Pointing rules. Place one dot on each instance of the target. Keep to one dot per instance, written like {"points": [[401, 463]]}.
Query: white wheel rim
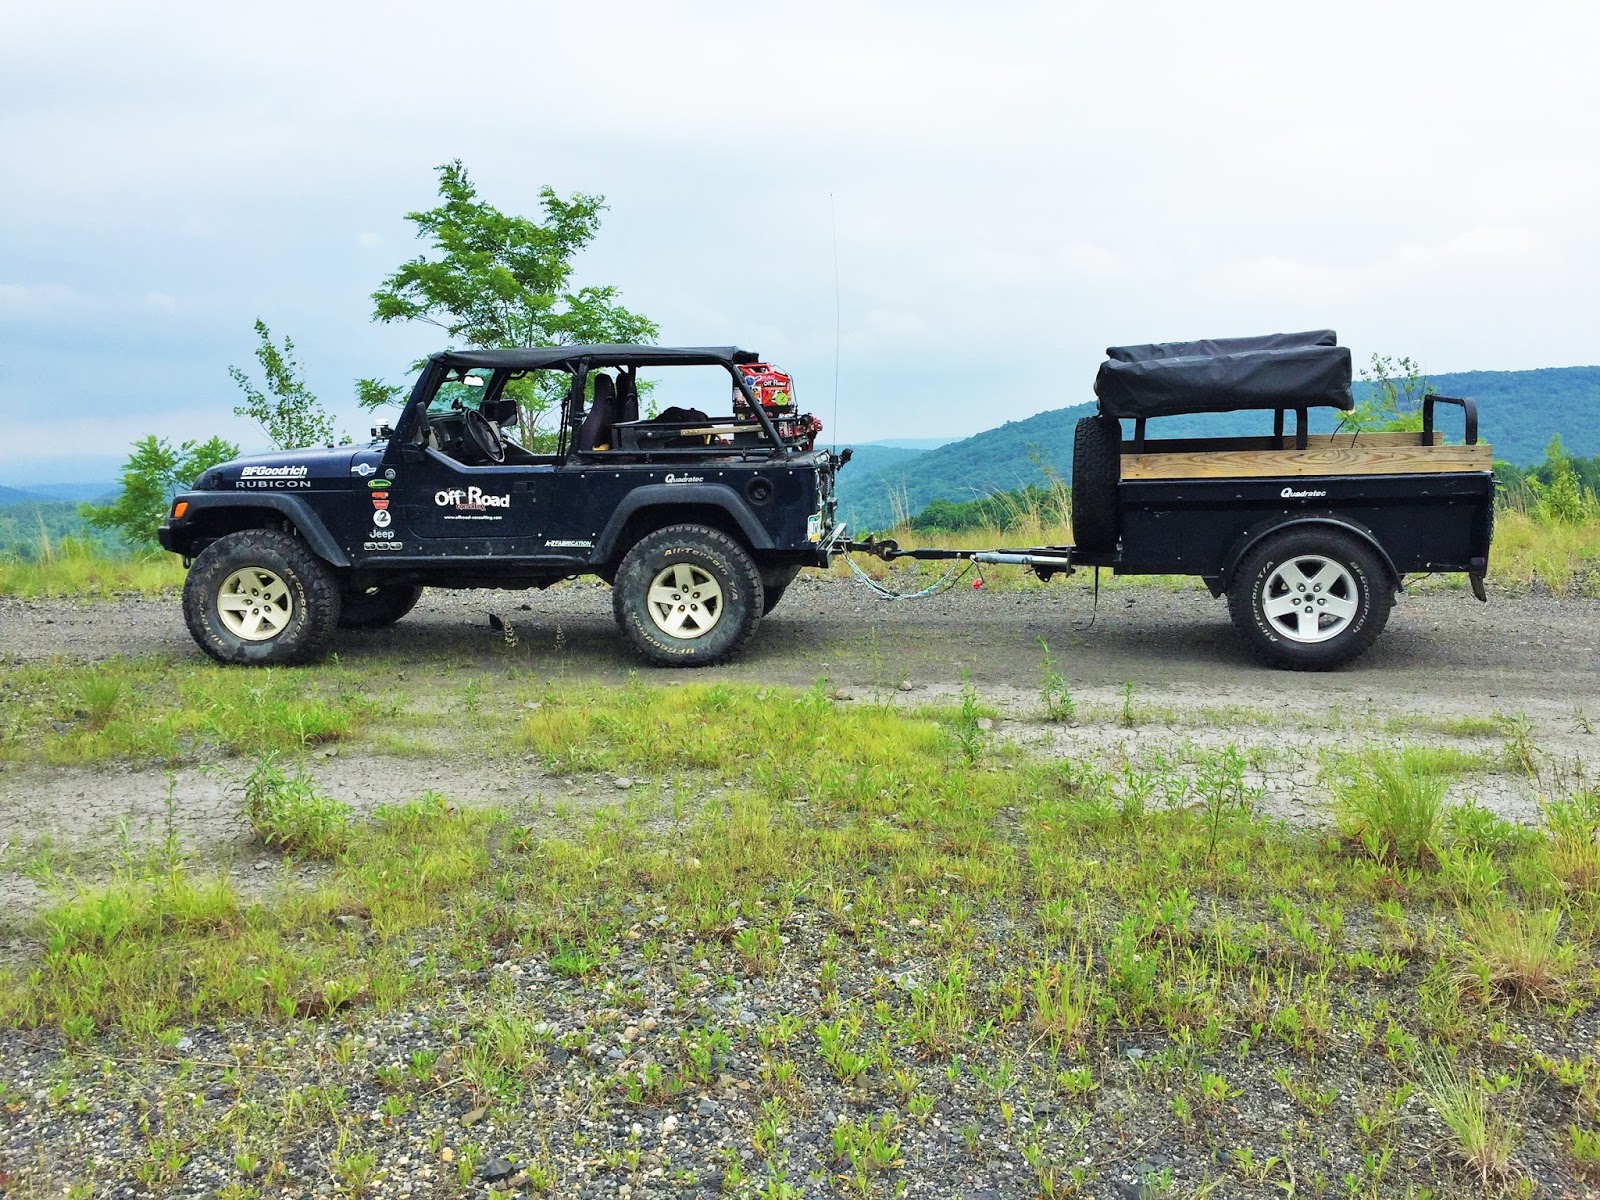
{"points": [[1310, 598], [685, 601], [254, 604]]}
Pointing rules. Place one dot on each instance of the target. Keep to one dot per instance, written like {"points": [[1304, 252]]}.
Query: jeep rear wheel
{"points": [[377, 606], [261, 597], [687, 596], [1311, 599], [774, 583]]}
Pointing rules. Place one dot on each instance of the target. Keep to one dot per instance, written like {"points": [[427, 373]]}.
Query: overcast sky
{"points": [[1016, 186]]}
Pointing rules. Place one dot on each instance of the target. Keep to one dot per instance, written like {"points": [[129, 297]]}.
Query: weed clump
{"points": [[1394, 810], [1484, 1135], [1573, 828], [1517, 956], [288, 813]]}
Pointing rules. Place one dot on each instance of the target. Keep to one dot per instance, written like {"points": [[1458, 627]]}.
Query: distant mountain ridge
{"points": [[1518, 412], [55, 493]]}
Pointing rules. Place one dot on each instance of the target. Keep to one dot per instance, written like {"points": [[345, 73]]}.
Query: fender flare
{"points": [[1253, 536], [676, 495], [293, 509]]}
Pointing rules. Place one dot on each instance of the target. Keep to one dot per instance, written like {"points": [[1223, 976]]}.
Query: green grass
{"points": [[80, 572], [1563, 557], [894, 809], [153, 709], [976, 921]]}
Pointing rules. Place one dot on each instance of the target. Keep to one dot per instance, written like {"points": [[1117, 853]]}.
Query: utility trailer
{"points": [[1308, 535]]}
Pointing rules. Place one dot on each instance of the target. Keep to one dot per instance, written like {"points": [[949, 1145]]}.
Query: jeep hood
{"points": [[282, 465]]}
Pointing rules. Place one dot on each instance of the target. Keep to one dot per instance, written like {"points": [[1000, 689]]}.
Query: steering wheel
{"points": [[484, 437]]}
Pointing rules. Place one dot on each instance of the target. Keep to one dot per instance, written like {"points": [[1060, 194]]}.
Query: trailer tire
{"points": [[1311, 599], [261, 598], [1096, 467], [687, 596]]}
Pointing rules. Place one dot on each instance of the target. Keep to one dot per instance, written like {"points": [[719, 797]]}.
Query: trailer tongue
{"points": [[1043, 560]]}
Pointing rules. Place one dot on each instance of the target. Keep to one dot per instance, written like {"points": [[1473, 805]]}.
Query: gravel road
{"points": [[1442, 651]]}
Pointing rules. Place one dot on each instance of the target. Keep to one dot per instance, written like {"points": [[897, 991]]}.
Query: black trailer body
{"points": [[1417, 523]]}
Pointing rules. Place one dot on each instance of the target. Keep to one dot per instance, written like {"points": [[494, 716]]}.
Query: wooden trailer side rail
{"points": [[1324, 454]]}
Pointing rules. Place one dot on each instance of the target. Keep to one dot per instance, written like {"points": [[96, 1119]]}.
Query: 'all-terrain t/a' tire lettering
{"points": [[687, 596], [260, 597], [1311, 599]]}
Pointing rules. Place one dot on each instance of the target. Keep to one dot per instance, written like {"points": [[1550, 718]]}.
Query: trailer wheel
{"points": [[1096, 467], [1311, 599], [687, 596], [261, 598]]}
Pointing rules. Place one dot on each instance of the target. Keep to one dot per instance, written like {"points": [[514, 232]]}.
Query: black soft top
{"points": [[1273, 371], [534, 358]]}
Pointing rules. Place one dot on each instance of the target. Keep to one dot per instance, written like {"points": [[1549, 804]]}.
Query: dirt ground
{"points": [[1157, 675], [1441, 648]]}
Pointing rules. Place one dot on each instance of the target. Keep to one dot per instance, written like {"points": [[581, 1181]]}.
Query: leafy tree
{"points": [[495, 280], [291, 416], [1559, 496], [1398, 390], [153, 474]]}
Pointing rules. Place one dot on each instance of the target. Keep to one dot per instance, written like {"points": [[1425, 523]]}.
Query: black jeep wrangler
{"points": [[699, 523]]}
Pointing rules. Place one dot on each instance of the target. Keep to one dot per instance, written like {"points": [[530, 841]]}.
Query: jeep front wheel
{"points": [[261, 598], [687, 596]]}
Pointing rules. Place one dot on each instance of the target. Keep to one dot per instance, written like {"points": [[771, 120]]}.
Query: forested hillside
{"points": [[1519, 411], [33, 531]]}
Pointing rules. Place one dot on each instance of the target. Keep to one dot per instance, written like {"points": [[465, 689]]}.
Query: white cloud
{"points": [[22, 299], [1068, 176]]}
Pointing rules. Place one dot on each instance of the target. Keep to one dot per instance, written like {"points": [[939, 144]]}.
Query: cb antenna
{"points": [[834, 218]]}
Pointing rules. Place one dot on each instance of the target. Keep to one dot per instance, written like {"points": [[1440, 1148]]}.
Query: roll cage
{"points": [[754, 435]]}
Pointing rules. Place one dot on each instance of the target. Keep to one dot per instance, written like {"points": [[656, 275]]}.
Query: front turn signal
{"points": [[178, 509]]}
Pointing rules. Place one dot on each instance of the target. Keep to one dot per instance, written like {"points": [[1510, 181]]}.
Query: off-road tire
{"points": [[706, 550], [1096, 467], [774, 584], [1364, 573], [377, 606], [312, 589]]}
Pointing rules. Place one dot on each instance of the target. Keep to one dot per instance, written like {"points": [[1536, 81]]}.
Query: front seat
{"points": [[595, 432], [627, 397]]}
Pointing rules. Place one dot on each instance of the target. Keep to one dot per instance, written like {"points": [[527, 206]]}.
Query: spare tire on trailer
{"points": [[1096, 467]]}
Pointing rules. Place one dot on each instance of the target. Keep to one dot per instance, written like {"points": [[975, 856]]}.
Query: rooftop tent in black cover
{"points": [[1278, 371], [1214, 346]]}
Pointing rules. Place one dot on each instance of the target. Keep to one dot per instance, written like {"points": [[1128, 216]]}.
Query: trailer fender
{"points": [[1276, 524], [671, 496], [229, 506]]}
